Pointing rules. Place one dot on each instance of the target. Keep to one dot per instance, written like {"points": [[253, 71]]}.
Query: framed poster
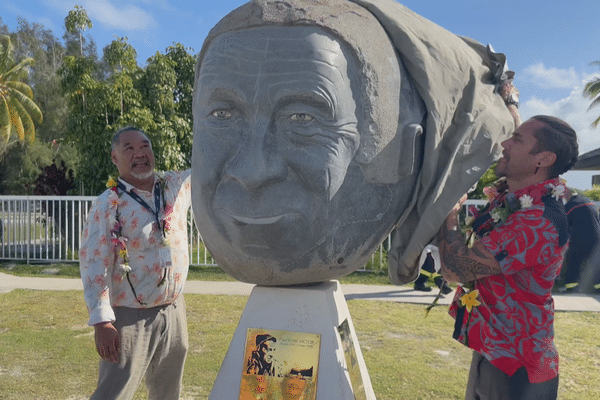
{"points": [[280, 365]]}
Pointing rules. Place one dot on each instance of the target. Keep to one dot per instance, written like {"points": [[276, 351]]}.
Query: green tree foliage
{"points": [[593, 193], [20, 167], [55, 180], [96, 106], [58, 180], [592, 90], [17, 108], [77, 75], [3, 28], [48, 53], [183, 93], [167, 86], [487, 179], [120, 55], [85, 99], [76, 23], [156, 99]]}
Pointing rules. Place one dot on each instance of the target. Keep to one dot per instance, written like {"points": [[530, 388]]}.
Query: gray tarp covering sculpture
{"points": [[321, 125]]}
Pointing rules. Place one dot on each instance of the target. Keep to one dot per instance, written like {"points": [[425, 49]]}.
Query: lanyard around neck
{"points": [[142, 202]]}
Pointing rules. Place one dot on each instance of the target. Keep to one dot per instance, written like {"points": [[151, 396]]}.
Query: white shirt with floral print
{"points": [[104, 272]]}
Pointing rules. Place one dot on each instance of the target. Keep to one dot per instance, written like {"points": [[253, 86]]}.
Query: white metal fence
{"points": [[42, 229], [47, 229]]}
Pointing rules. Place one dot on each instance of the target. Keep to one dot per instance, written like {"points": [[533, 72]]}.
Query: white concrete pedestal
{"points": [[313, 309]]}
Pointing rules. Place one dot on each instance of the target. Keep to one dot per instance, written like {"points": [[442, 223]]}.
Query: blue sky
{"points": [[549, 43]]}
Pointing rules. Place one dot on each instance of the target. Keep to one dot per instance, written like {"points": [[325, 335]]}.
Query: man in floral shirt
{"points": [[134, 263], [504, 309]]}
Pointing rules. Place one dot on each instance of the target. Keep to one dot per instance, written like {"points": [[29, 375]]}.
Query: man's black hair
{"points": [[556, 136], [130, 128]]}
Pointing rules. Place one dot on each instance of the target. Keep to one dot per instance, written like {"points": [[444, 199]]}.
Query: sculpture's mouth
{"points": [[257, 220], [243, 220], [272, 236]]}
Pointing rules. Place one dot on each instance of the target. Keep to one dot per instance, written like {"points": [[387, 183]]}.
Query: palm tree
{"points": [[17, 108], [592, 90]]}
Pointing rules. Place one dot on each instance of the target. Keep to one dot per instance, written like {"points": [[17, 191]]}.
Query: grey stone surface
{"points": [[304, 155], [320, 125]]}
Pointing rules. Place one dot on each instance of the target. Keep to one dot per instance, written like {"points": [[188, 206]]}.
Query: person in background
{"points": [[428, 271], [134, 263], [577, 274], [504, 309]]}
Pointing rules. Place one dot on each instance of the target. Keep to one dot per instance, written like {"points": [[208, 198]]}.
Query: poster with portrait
{"points": [[280, 365], [352, 361]]}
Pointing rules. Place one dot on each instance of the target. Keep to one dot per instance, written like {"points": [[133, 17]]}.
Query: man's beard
{"points": [[142, 176]]}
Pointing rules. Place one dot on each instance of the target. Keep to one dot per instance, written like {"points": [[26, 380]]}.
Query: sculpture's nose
{"points": [[257, 162]]}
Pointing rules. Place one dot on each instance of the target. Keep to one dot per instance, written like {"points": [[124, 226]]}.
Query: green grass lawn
{"points": [[47, 351]]}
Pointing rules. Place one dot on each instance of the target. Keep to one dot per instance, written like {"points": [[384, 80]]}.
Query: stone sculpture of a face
{"points": [[283, 193]]}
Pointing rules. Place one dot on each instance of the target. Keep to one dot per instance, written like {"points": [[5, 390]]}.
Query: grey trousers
{"points": [[154, 343], [486, 382]]}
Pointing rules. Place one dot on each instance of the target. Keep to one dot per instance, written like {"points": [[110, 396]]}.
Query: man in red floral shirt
{"points": [[504, 309]]}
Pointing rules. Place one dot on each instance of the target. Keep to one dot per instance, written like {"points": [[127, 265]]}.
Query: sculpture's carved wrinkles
{"points": [[281, 198], [308, 141]]}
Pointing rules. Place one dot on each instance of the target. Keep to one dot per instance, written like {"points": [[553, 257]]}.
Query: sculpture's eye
{"points": [[221, 114], [301, 117]]}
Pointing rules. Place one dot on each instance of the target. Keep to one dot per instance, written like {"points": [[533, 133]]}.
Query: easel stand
{"points": [[321, 309]]}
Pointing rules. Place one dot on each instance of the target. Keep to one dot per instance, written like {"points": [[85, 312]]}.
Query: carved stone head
{"points": [[307, 140]]}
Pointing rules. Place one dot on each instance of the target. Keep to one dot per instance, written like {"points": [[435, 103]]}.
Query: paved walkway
{"points": [[403, 294]]}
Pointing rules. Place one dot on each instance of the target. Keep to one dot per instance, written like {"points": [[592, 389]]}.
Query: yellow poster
{"points": [[280, 365]]}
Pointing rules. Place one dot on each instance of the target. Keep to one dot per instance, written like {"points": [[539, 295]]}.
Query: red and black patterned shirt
{"points": [[514, 324]]}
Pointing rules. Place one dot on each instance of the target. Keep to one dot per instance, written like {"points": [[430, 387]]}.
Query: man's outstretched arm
{"points": [[459, 262]]}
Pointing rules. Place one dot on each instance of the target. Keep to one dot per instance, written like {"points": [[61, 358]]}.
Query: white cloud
{"points": [[551, 78], [126, 17], [122, 16], [574, 110], [162, 4]]}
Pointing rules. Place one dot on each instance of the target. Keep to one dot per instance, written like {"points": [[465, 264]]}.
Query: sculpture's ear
{"points": [[410, 150], [403, 151]]}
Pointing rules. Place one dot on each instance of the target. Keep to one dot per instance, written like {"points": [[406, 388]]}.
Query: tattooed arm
{"points": [[459, 262]]}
